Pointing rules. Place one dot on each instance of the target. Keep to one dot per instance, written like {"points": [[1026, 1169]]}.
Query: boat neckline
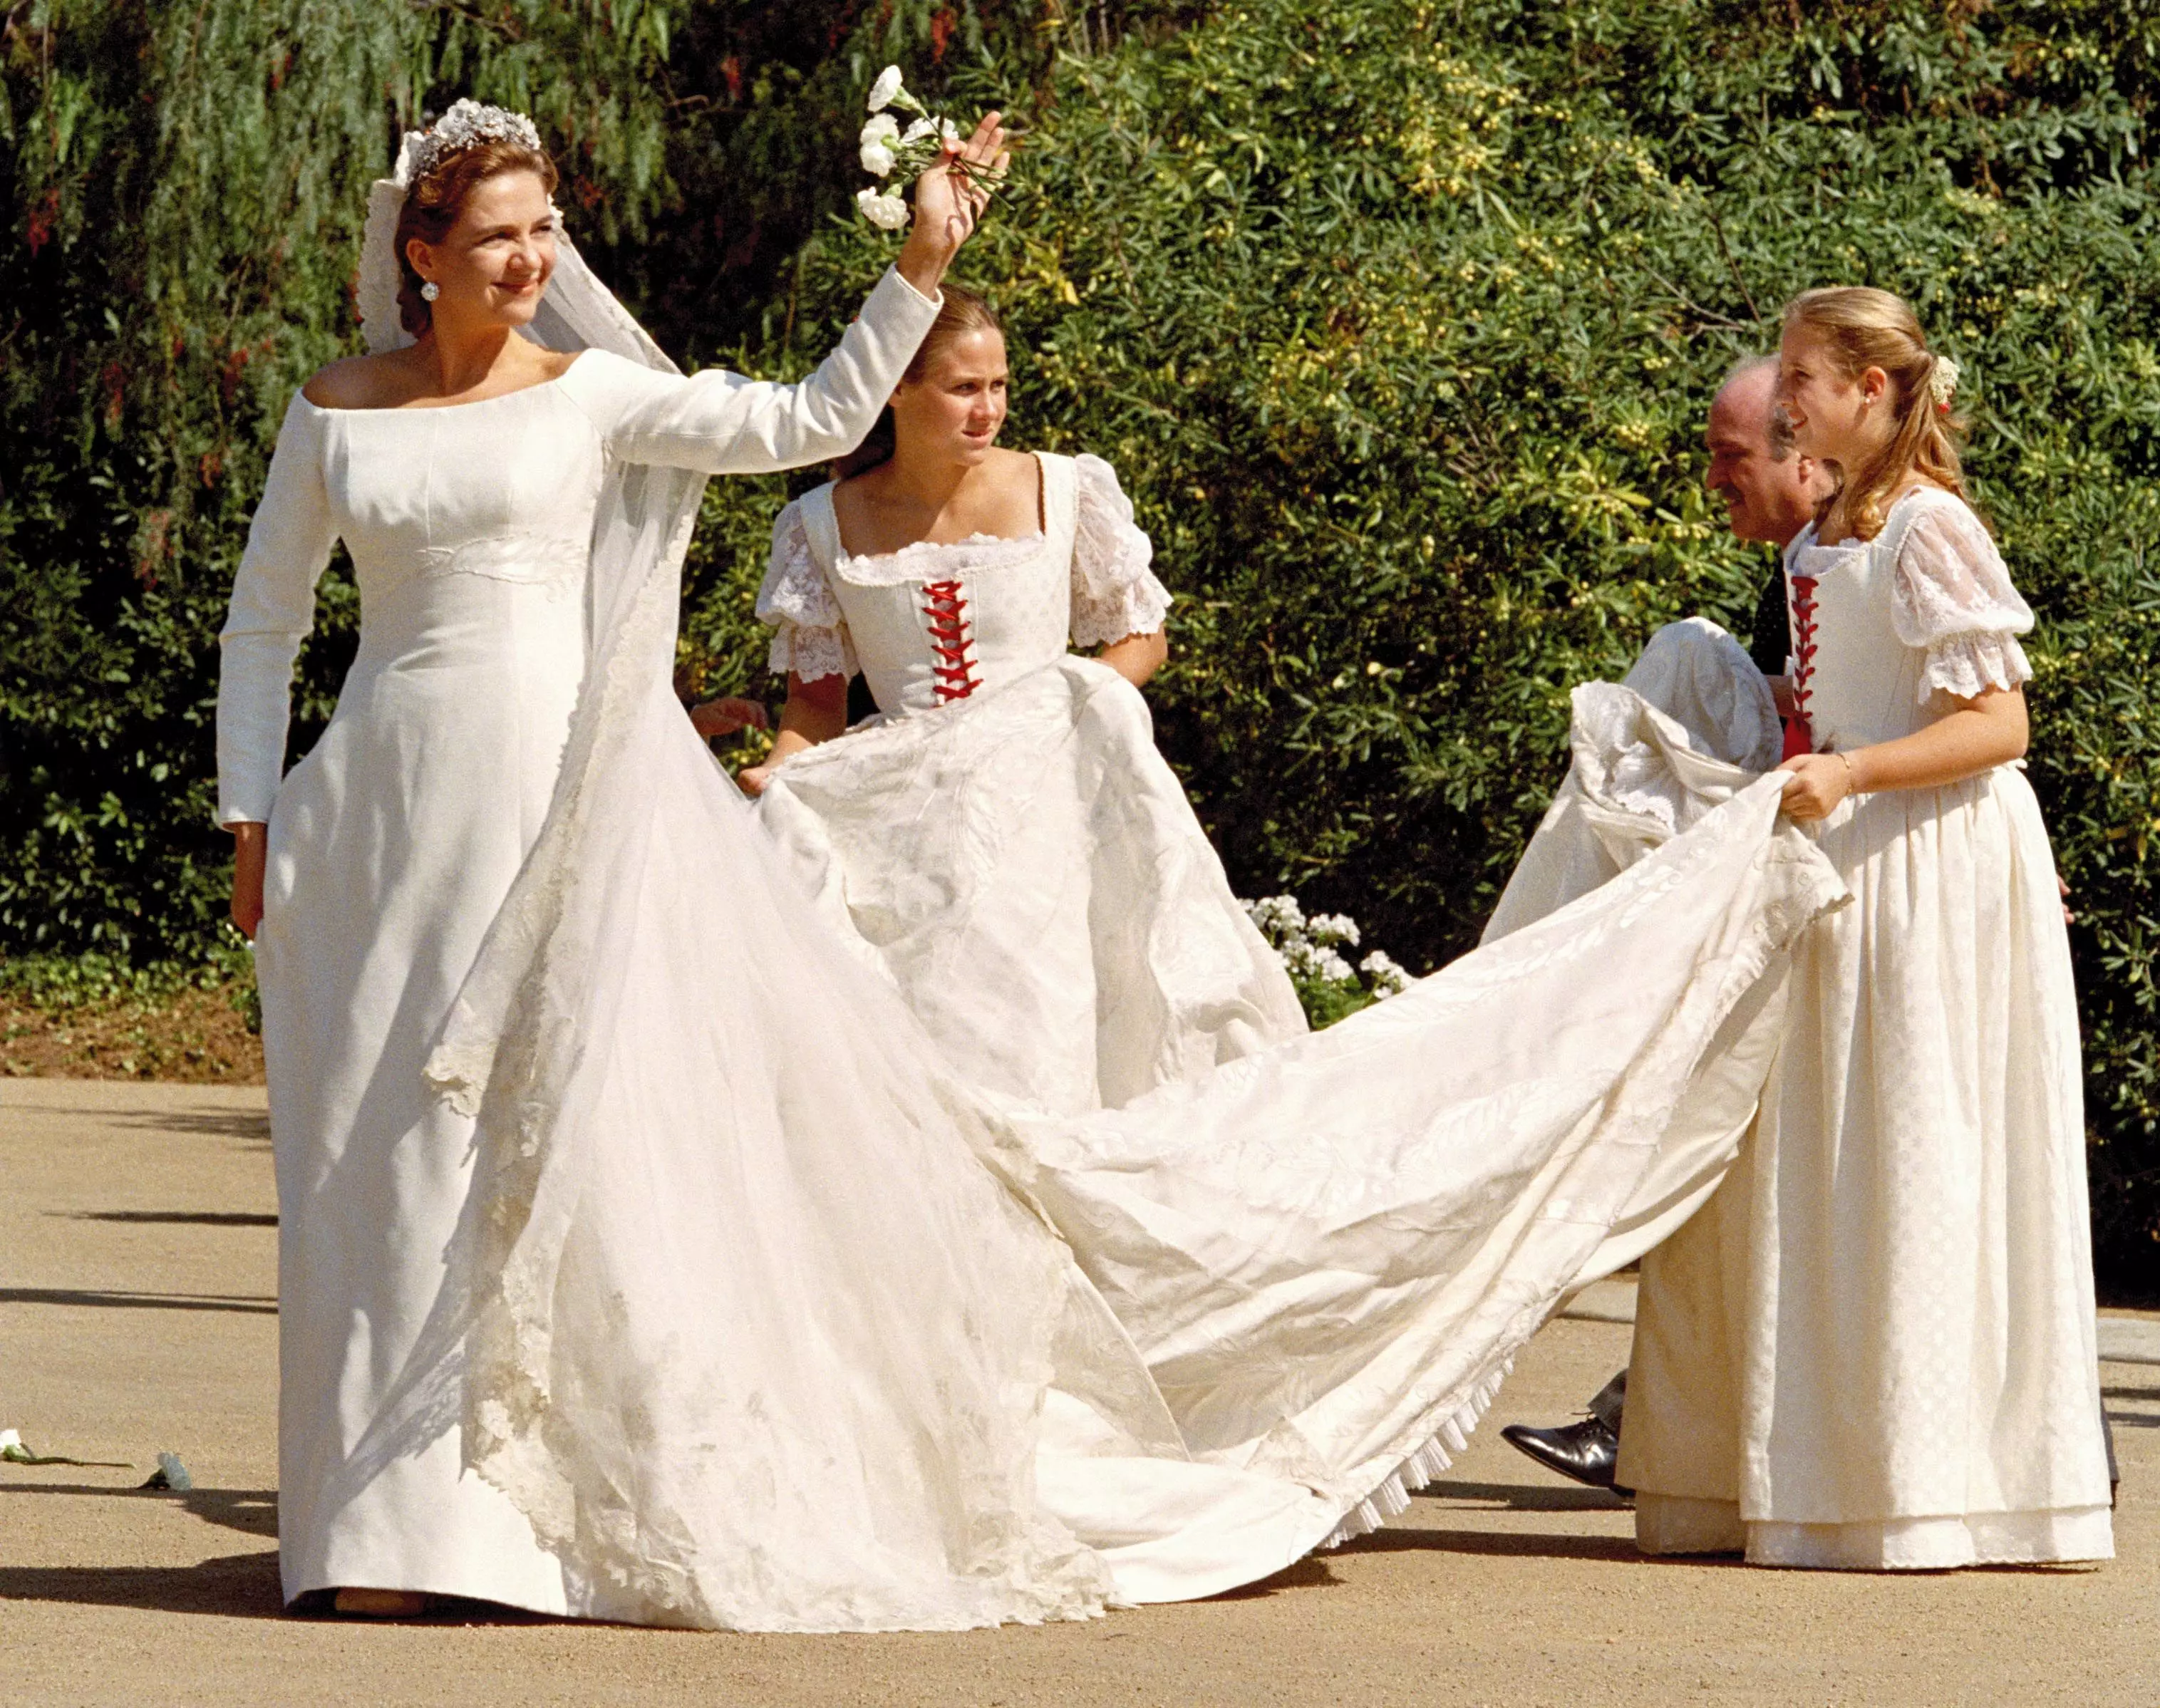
{"points": [[440, 408]]}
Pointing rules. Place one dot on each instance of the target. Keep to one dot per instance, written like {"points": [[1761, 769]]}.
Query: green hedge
{"points": [[1399, 322]]}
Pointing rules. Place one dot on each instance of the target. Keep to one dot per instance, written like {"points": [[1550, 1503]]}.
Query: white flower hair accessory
{"points": [[375, 293], [1942, 383]]}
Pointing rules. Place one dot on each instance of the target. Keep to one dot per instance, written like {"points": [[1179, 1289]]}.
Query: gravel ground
{"points": [[138, 1313]]}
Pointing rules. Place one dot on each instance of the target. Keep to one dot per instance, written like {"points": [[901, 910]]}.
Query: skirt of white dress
{"points": [[1876, 1348], [1025, 867]]}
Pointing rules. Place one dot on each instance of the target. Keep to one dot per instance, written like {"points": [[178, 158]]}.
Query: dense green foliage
{"points": [[1399, 321]]}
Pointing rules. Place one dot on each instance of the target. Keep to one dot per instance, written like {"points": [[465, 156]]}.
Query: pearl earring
{"points": [[430, 291]]}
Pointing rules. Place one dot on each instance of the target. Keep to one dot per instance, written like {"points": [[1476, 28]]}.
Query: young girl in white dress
{"points": [[1875, 1350], [1004, 838], [469, 471]]}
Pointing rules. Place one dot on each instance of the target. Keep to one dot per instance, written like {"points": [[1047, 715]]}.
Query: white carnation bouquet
{"points": [[897, 156]]}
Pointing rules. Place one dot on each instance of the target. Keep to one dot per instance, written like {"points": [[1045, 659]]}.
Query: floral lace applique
{"points": [[810, 633]]}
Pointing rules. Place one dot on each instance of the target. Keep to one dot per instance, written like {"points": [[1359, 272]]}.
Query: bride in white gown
{"points": [[756, 1314], [465, 475]]}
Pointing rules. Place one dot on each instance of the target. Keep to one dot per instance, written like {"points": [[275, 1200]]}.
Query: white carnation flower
{"points": [[877, 159], [881, 127], [883, 90], [888, 213]]}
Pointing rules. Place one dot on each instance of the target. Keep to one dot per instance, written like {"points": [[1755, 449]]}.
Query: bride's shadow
{"points": [[238, 1585]]}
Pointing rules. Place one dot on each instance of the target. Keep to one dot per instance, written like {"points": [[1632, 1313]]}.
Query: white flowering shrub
{"points": [[1312, 949]]}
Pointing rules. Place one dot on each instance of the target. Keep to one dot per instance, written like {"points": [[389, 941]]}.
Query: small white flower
{"points": [[879, 127], [888, 213], [1333, 928], [1333, 967], [877, 159], [9, 1438], [1278, 913], [1943, 382], [1389, 978], [883, 90]]}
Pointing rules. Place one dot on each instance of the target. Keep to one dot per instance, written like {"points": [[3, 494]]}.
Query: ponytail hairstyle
{"points": [[438, 196], [962, 312], [1862, 328]]}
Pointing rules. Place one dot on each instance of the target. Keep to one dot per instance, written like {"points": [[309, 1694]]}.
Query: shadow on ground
{"points": [[184, 1218], [238, 1585], [251, 1511], [1526, 1496], [1398, 1539], [103, 1300]]}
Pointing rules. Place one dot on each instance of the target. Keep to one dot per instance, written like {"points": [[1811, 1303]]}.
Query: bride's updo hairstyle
{"points": [[438, 196], [962, 312], [1862, 328]]}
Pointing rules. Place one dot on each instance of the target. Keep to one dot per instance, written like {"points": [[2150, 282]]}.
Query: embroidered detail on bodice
{"points": [[554, 559], [1882, 629], [1799, 731], [951, 629], [1081, 579]]}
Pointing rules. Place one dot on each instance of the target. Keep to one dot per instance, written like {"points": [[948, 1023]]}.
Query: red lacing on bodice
{"points": [[952, 639], [1799, 730]]}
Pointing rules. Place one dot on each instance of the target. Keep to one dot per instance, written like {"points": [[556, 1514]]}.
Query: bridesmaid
{"points": [[463, 465], [1874, 1350], [1004, 838]]}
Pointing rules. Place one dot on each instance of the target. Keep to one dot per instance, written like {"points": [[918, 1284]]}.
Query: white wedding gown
{"points": [[745, 1309], [1003, 839], [393, 843]]}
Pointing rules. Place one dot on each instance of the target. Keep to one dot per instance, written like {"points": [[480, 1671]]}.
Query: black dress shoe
{"points": [[1587, 1451]]}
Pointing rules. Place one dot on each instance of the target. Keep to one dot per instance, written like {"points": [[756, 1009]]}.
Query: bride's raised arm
{"points": [[721, 423]]}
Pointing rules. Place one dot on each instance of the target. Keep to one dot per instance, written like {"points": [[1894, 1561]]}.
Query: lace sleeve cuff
{"points": [[1114, 592], [811, 652], [1968, 665]]}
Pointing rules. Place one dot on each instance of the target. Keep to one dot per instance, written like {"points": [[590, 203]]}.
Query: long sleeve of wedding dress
{"points": [[273, 608], [718, 422]]}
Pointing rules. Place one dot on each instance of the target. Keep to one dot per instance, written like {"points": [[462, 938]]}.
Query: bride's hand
{"points": [[751, 779], [949, 200], [726, 715]]}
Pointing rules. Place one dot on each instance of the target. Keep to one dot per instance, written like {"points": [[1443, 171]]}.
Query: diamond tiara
{"points": [[468, 122]]}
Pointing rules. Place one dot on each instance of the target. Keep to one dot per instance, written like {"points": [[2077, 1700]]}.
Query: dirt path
{"points": [[137, 1271]]}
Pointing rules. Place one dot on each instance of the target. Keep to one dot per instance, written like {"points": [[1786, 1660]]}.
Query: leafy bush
{"points": [[1400, 323], [1398, 320]]}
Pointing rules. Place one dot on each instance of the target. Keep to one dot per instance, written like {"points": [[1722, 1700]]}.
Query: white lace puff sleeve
{"points": [[809, 634], [1114, 593], [1954, 600]]}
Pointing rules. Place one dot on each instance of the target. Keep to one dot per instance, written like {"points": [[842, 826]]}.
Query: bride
{"points": [[1004, 838], [749, 1312], [463, 469]]}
